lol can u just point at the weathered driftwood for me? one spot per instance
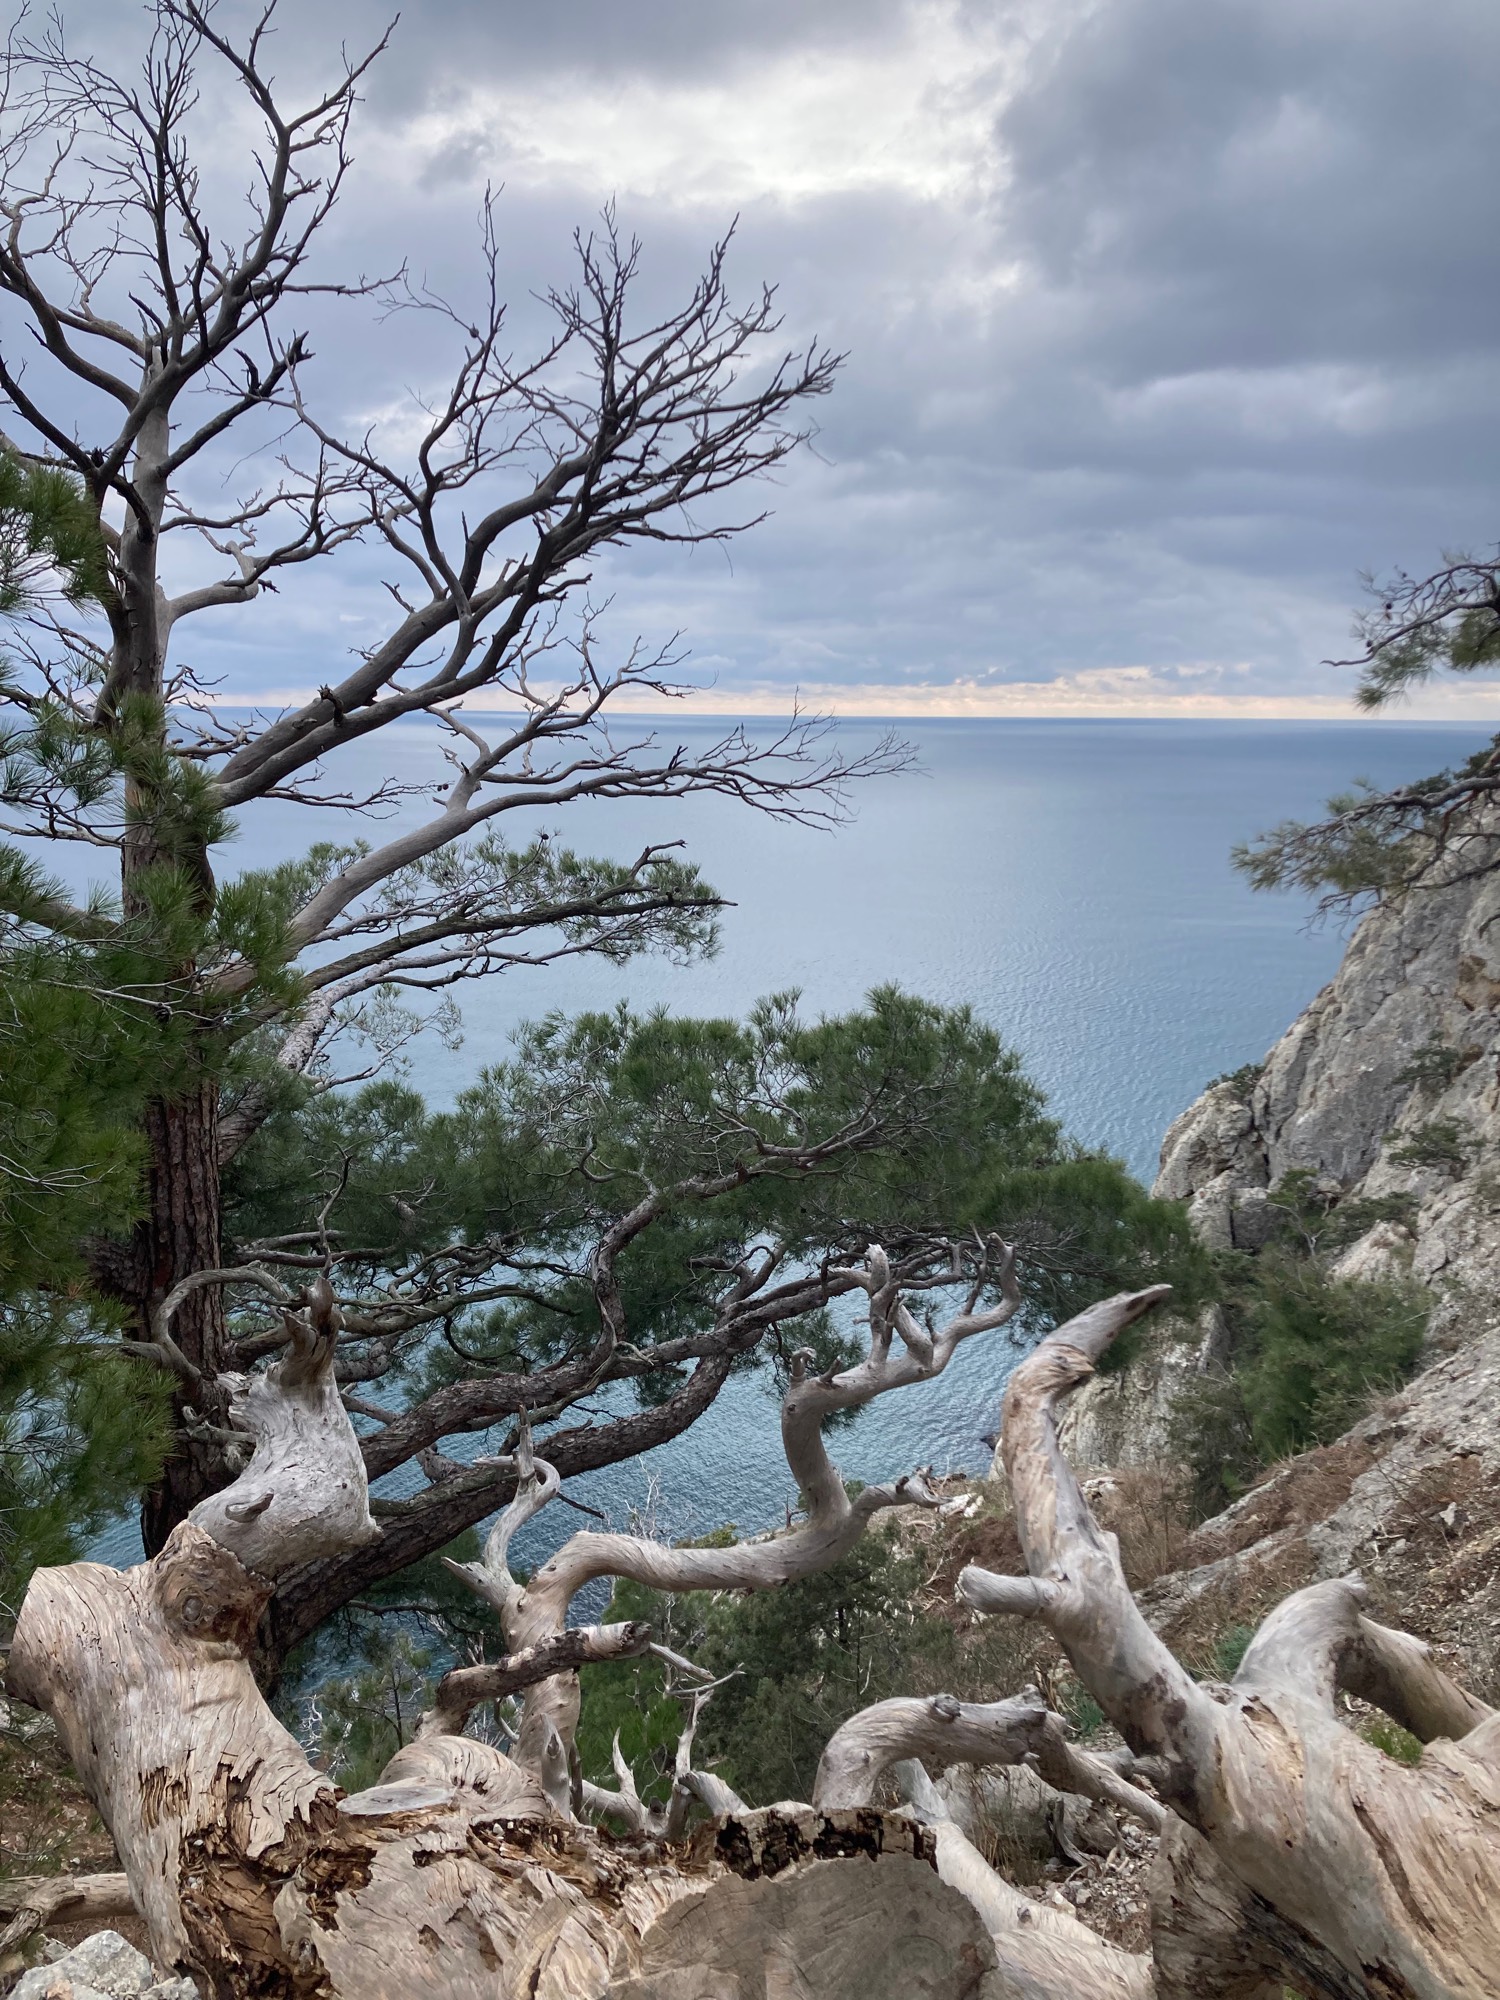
(463, 1870)
(1300, 1855)
(1043, 1950)
(1292, 1851)
(28, 1903)
(689, 1787)
(941, 1731)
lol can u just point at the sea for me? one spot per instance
(1070, 880)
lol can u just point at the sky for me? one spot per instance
(1164, 321)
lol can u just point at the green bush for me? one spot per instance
(1438, 1143)
(1083, 1714)
(1317, 1218)
(362, 1719)
(805, 1657)
(1434, 1065)
(1321, 1350)
(1209, 1432)
(1242, 1080)
(1395, 1741)
(1229, 1650)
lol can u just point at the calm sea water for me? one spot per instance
(1069, 880)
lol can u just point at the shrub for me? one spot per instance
(1317, 1217)
(1241, 1081)
(1438, 1143)
(1229, 1650)
(359, 1721)
(1434, 1065)
(1321, 1350)
(1209, 1432)
(1078, 1707)
(805, 1657)
(1393, 1739)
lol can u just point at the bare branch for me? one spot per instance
(943, 1731)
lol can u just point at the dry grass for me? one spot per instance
(46, 1823)
(1295, 1494)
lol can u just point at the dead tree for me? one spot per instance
(463, 1867)
(759, 1294)
(1296, 1853)
(158, 350)
(1292, 1851)
(536, 1613)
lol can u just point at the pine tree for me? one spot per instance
(80, 1427)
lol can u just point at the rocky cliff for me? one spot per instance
(1388, 1086)
(1385, 1093)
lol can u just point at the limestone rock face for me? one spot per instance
(1410, 1498)
(1123, 1418)
(1388, 1085)
(104, 1967)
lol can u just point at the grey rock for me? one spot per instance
(1382, 1252)
(51, 1982)
(1253, 1218)
(1337, 1097)
(1216, 1137)
(1124, 1418)
(104, 1966)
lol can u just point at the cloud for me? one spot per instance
(1163, 321)
(908, 115)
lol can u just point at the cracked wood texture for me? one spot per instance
(1303, 1856)
(453, 1877)
(1294, 1853)
(462, 1872)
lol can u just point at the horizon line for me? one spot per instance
(1252, 709)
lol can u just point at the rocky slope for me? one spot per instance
(1387, 1086)
(1385, 1092)
(1410, 1498)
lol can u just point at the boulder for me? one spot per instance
(103, 1967)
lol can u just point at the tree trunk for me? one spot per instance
(1300, 1854)
(181, 1235)
(1294, 1853)
(453, 1877)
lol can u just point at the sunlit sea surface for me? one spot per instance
(1071, 881)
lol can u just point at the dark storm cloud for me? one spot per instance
(454, 39)
(1164, 319)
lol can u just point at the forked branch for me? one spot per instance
(941, 1731)
(537, 1612)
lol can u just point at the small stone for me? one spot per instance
(105, 1964)
(49, 1982)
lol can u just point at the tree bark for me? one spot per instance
(453, 1877)
(461, 1872)
(1306, 1857)
(28, 1903)
(181, 1234)
(1293, 1852)
(942, 1731)
(311, 1595)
